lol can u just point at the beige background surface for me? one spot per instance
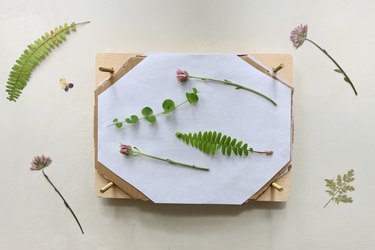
(333, 128)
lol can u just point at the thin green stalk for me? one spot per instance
(157, 114)
(226, 82)
(171, 161)
(65, 202)
(346, 77)
(333, 196)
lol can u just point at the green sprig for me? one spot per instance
(210, 142)
(337, 189)
(168, 106)
(32, 57)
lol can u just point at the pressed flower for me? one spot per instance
(183, 75)
(39, 163)
(299, 35)
(65, 85)
(128, 151)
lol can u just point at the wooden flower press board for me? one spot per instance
(121, 64)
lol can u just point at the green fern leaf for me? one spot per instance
(337, 189)
(210, 142)
(31, 58)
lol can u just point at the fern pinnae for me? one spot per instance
(210, 142)
(32, 56)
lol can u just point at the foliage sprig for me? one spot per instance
(168, 106)
(337, 189)
(32, 56)
(210, 142)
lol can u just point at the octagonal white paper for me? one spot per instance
(237, 113)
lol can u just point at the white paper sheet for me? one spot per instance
(237, 113)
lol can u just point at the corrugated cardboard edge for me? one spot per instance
(134, 193)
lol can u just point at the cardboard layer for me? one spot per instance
(122, 63)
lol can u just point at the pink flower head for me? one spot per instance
(39, 162)
(182, 75)
(298, 35)
(126, 149)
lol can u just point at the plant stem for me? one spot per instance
(157, 114)
(226, 82)
(262, 152)
(333, 196)
(65, 202)
(162, 112)
(346, 77)
(81, 23)
(171, 161)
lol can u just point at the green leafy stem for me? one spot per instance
(32, 56)
(210, 142)
(337, 189)
(339, 69)
(238, 86)
(148, 114)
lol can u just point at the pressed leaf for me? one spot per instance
(192, 98)
(148, 114)
(168, 105)
(229, 151)
(146, 111)
(31, 58)
(132, 119)
(151, 118)
(337, 189)
(210, 142)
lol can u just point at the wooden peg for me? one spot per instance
(109, 70)
(277, 186)
(278, 68)
(106, 187)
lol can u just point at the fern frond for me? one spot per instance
(32, 56)
(210, 142)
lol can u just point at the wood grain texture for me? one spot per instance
(124, 62)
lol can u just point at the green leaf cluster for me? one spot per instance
(31, 58)
(210, 142)
(337, 189)
(168, 106)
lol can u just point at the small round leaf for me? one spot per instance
(147, 111)
(132, 119)
(192, 98)
(168, 105)
(151, 118)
